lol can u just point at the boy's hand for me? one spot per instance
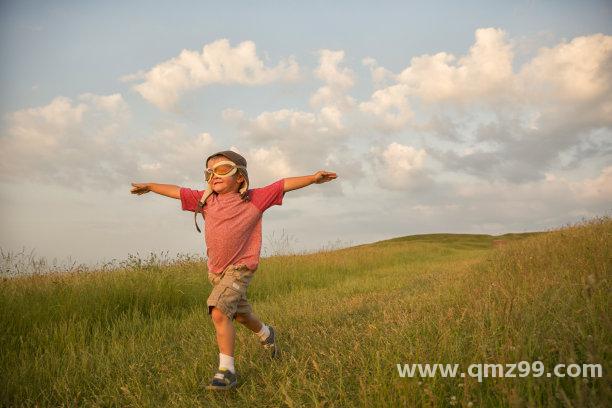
(140, 188)
(324, 176)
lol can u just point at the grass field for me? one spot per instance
(141, 336)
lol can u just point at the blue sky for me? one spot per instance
(481, 117)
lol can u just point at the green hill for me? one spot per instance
(345, 320)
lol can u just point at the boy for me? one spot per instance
(232, 215)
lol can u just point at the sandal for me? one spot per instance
(223, 380)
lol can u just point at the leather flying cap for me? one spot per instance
(233, 156)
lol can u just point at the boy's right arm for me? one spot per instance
(168, 190)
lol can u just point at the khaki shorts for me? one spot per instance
(229, 290)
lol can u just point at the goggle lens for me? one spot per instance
(220, 170)
(223, 169)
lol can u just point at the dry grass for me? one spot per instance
(140, 335)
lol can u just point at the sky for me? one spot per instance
(438, 117)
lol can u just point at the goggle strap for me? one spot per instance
(201, 203)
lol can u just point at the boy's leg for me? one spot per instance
(225, 378)
(227, 296)
(225, 331)
(250, 321)
(222, 303)
(265, 333)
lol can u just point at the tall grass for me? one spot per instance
(140, 335)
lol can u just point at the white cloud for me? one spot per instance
(389, 108)
(380, 75)
(578, 70)
(399, 167)
(570, 84)
(332, 98)
(555, 78)
(85, 144)
(66, 142)
(218, 62)
(173, 154)
(288, 124)
(527, 119)
(304, 139)
(110, 103)
(329, 71)
(484, 72)
(60, 114)
(284, 123)
(267, 165)
(331, 117)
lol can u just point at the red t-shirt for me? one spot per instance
(232, 227)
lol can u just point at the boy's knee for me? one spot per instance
(217, 315)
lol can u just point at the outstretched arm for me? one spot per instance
(293, 183)
(169, 190)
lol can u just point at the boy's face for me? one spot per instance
(224, 185)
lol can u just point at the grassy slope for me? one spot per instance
(142, 337)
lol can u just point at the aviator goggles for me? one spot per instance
(224, 168)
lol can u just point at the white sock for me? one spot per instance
(226, 361)
(264, 332)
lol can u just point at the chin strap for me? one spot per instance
(201, 203)
(245, 185)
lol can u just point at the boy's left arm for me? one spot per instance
(293, 183)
